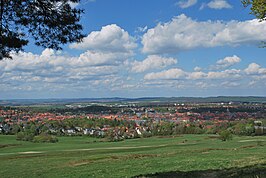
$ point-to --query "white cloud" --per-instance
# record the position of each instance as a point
(228, 84)
(73, 4)
(101, 58)
(219, 4)
(225, 79)
(53, 70)
(254, 68)
(232, 73)
(226, 62)
(197, 75)
(183, 33)
(166, 74)
(141, 29)
(202, 85)
(197, 68)
(111, 38)
(226, 74)
(152, 62)
(186, 3)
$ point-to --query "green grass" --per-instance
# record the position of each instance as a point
(90, 157)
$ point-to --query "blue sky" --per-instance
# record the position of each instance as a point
(147, 48)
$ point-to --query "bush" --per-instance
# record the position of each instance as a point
(25, 136)
(146, 134)
(115, 138)
(225, 135)
(45, 138)
(20, 136)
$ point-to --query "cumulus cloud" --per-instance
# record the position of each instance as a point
(197, 68)
(255, 68)
(152, 62)
(166, 74)
(101, 58)
(184, 33)
(226, 74)
(226, 62)
(53, 70)
(186, 3)
(232, 73)
(197, 75)
(219, 4)
(110, 38)
(176, 73)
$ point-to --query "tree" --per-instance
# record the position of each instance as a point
(258, 8)
(225, 135)
(49, 22)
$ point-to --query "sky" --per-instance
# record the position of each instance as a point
(147, 48)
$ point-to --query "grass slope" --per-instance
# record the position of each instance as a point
(89, 157)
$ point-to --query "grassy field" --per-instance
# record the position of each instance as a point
(90, 157)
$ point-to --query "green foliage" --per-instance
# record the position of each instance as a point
(225, 135)
(45, 138)
(114, 136)
(258, 8)
(243, 129)
(146, 134)
(15, 129)
(23, 136)
(50, 23)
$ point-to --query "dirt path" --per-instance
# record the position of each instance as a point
(252, 141)
(83, 149)
(93, 149)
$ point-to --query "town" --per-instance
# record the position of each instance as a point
(119, 121)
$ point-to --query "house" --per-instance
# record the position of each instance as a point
(99, 133)
(52, 130)
(88, 131)
(138, 131)
(69, 131)
(79, 129)
(259, 128)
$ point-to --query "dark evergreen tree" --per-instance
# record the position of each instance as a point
(50, 23)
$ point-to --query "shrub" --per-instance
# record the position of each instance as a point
(146, 134)
(20, 136)
(225, 135)
(25, 136)
(45, 138)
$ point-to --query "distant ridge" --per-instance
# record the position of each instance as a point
(253, 99)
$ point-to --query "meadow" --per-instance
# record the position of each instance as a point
(92, 157)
